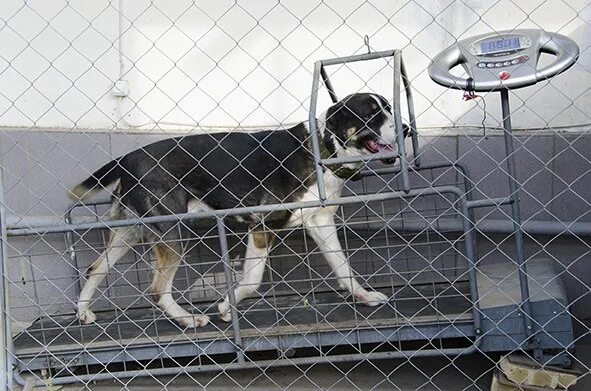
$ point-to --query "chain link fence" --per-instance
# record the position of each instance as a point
(283, 185)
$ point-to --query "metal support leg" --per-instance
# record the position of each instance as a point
(398, 122)
(412, 123)
(230, 284)
(314, 132)
(470, 243)
(514, 188)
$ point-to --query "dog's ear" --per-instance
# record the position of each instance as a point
(334, 117)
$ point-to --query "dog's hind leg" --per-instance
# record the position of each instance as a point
(168, 259)
(257, 251)
(120, 241)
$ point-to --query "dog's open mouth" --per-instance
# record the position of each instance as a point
(376, 146)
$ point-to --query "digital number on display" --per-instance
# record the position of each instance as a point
(499, 45)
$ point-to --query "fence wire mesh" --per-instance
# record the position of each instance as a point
(210, 247)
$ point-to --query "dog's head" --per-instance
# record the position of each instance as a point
(360, 124)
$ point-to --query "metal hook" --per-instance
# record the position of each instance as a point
(366, 42)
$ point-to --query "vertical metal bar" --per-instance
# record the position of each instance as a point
(5, 333)
(230, 285)
(314, 132)
(328, 84)
(471, 255)
(514, 188)
(468, 187)
(72, 251)
(398, 123)
(412, 123)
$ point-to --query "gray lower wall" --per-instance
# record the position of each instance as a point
(554, 169)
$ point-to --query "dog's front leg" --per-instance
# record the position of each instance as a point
(257, 251)
(322, 229)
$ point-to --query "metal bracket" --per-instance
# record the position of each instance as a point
(399, 73)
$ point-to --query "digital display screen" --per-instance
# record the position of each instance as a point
(499, 45)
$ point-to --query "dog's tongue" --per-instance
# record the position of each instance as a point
(378, 146)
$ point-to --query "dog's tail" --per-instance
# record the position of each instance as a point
(102, 178)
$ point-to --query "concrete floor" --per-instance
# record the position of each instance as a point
(471, 372)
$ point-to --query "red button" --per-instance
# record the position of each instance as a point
(504, 75)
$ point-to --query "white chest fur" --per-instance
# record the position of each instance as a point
(334, 188)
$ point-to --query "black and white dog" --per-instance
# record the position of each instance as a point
(229, 170)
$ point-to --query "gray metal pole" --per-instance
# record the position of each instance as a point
(223, 213)
(328, 84)
(230, 284)
(358, 57)
(514, 188)
(470, 247)
(322, 359)
(314, 131)
(398, 122)
(72, 250)
(492, 226)
(412, 123)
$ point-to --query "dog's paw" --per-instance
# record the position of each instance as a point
(193, 321)
(86, 316)
(371, 298)
(224, 308)
(227, 317)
